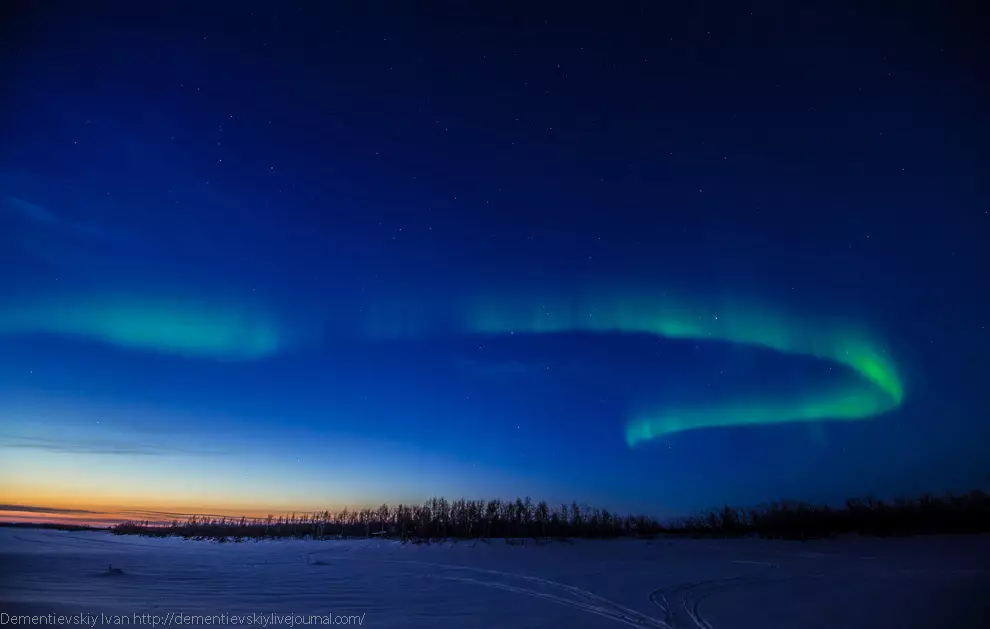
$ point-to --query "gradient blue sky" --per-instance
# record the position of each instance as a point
(215, 220)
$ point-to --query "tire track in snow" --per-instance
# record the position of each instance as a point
(595, 604)
(688, 599)
(604, 612)
(564, 586)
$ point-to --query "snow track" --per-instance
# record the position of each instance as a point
(685, 611)
(664, 584)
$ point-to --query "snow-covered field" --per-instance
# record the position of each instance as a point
(852, 583)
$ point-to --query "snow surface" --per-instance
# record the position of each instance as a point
(656, 584)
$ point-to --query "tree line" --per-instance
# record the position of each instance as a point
(437, 518)
(522, 519)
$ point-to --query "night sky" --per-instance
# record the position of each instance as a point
(258, 257)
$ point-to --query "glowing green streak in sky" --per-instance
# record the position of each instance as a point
(188, 328)
(879, 388)
(205, 329)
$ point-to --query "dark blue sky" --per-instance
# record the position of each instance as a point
(269, 256)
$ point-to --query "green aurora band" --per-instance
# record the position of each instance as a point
(236, 330)
(877, 389)
(183, 327)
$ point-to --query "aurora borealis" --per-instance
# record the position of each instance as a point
(162, 325)
(188, 329)
(293, 259)
(879, 388)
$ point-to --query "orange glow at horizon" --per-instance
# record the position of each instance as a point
(37, 503)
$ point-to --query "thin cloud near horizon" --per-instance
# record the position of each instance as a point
(51, 510)
(100, 446)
